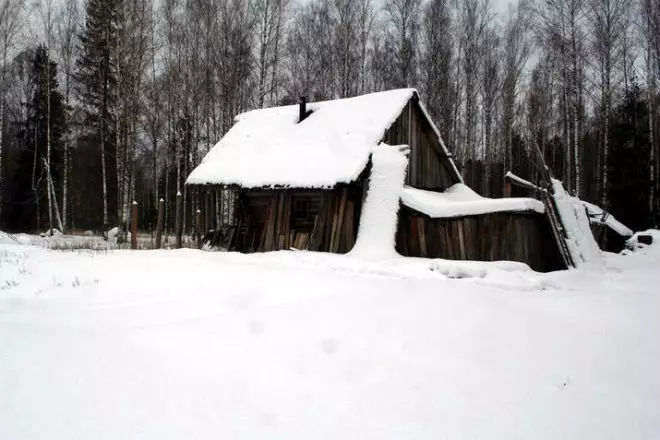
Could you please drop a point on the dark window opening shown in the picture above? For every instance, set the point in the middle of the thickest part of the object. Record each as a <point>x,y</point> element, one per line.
<point>305,210</point>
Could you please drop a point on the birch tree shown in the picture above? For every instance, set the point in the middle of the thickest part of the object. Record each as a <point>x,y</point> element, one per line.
<point>346,50</point>
<point>269,26</point>
<point>562,24</point>
<point>47,14</point>
<point>650,26</point>
<point>437,65</point>
<point>403,23</point>
<point>517,49</point>
<point>606,19</point>
<point>490,89</point>
<point>474,16</point>
<point>67,29</point>
<point>366,18</point>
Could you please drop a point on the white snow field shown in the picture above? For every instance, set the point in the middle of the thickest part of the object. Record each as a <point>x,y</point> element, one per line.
<point>294,345</point>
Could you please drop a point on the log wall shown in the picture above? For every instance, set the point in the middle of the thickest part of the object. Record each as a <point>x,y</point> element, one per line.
<point>523,237</point>
<point>266,220</point>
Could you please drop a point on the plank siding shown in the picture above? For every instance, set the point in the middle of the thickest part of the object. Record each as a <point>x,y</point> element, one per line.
<point>428,168</point>
<point>265,220</point>
<point>523,237</point>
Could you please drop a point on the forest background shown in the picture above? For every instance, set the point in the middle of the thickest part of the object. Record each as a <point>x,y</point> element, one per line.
<point>108,101</point>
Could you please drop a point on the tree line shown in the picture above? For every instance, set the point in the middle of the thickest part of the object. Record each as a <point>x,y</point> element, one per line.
<point>108,101</point>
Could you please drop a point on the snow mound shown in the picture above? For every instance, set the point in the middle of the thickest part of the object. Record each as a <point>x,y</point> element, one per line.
<point>52,233</point>
<point>269,147</point>
<point>634,244</point>
<point>580,240</point>
<point>378,221</point>
<point>460,200</point>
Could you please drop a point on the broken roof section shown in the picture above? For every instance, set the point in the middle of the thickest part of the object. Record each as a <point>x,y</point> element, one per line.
<point>599,216</point>
<point>271,148</point>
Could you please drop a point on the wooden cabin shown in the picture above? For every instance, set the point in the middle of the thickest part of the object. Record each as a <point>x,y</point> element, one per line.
<point>300,175</point>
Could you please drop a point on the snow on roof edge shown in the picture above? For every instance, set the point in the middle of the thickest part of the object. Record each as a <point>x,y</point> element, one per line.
<point>459,200</point>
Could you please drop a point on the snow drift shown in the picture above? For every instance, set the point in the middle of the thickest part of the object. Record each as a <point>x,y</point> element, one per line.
<point>302,345</point>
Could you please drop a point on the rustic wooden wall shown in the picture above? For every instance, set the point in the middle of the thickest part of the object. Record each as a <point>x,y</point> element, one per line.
<point>501,236</point>
<point>265,220</point>
<point>428,166</point>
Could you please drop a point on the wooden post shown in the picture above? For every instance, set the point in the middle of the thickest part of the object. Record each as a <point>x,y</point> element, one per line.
<point>134,225</point>
<point>198,228</point>
<point>178,229</point>
<point>507,188</point>
<point>159,225</point>
<point>207,212</point>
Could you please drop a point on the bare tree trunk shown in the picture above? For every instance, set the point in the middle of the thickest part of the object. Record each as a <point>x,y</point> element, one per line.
<point>35,180</point>
<point>576,102</point>
<point>651,100</point>
<point>10,24</point>
<point>2,126</point>
<point>2,113</point>
<point>51,190</point>
<point>65,186</point>
<point>104,176</point>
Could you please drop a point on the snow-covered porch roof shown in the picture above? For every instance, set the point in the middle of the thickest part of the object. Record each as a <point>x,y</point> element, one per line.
<point>271,148</point>
<point>459,201</point>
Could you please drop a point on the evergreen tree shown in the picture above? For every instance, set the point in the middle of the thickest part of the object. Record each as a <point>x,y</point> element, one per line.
<point>29,210</point>
<point>97,87</point>
<point>628,163</point>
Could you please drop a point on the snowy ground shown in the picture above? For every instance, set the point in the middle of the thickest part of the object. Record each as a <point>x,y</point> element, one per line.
<point>189,344</point>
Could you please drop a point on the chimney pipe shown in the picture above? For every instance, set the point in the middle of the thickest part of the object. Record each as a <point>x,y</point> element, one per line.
<point>302,114</point>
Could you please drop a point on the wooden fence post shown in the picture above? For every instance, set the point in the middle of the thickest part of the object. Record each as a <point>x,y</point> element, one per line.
<point>198,228</point>
<point>207,212</point>
<point>159,225</point>
<point>178,223</point>
<point>134,225</point>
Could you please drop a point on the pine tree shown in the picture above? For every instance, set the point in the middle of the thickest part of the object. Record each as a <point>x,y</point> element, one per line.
<point>97,86</point>
<point>30,175</point>
<point>628,164</point>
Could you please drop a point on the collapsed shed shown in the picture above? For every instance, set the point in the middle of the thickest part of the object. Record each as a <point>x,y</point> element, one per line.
<point>301,173</point>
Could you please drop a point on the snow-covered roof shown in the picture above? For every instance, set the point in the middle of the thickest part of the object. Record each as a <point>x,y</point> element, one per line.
<point>459,200</point>
<point>269,147</point>
<point>598,215</point>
